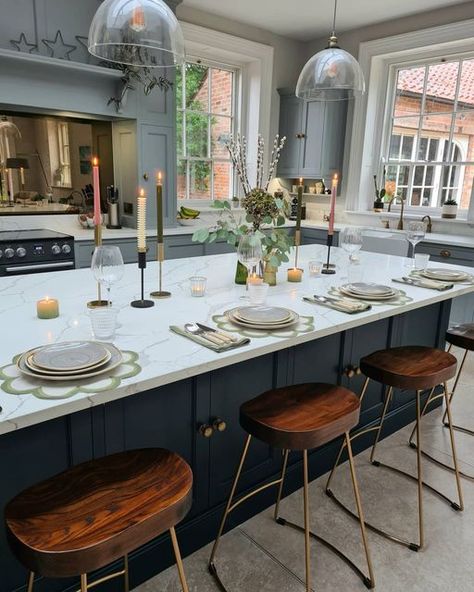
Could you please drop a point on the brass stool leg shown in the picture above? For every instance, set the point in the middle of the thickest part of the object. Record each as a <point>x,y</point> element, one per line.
<point>31,579</point>
<point>125,574</point>
<point>211,566</point>
<point>307,544</point>
<point>179,561</point>
<point>388,398</point>
<point>431,397</point>
<point>280,487</point>
<point>419,470</point>
<point>461,429</point>
<point>84,583</point>
<point>370,581</point>
<point>453,447</point>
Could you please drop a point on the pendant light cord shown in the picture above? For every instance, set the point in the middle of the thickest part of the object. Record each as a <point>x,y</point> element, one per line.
<point>334,18</point>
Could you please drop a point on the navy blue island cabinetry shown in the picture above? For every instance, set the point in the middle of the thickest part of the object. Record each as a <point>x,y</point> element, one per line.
<point>172,416</point>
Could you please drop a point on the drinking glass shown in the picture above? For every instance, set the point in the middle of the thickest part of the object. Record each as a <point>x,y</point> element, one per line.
<point>107,266</point>
<point>415,234</point>
<point>104,322</point>
<point>249,251</point>
<point>351,241</point>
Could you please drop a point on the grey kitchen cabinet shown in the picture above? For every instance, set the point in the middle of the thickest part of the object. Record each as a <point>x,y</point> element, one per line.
<point>317,236</point>
<point>462,309</point>
<point>315,133</point>
<point>128,247</point>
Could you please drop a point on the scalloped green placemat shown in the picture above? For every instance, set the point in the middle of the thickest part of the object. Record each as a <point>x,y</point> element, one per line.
<point>400,300</point>
<point>305,324</point>
<point>14,382</point>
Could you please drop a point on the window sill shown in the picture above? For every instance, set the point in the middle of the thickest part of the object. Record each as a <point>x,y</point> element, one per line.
<point>395,215</point>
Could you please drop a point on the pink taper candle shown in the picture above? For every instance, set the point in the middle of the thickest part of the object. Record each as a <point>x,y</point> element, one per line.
<point>96,183</point>
<point>333,204</point>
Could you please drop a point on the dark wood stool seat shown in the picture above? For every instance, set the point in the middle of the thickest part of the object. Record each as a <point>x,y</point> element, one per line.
<point>302,416</point>
<point>411,367</point>
<point>461,336</point>
<point>98,511</point>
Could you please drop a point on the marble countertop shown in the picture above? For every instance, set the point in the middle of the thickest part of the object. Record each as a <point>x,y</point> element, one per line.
<point>164,356</point>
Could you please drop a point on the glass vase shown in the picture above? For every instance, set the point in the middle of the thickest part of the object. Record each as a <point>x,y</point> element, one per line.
<point>270,274</point>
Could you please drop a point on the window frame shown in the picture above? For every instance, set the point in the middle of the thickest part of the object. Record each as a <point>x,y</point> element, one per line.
<point>364,133</point>
<point>235,126</point>
<point>439,164</point>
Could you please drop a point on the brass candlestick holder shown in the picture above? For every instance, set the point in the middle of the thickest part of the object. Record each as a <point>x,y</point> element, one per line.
<point>160,252</point>
<point>142,303</point>
<point>99,302</point>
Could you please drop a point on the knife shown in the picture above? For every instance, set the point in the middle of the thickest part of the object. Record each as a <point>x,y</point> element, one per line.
<point>222,336</point>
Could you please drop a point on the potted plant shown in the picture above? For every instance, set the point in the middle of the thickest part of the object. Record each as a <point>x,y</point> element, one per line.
<point>235,202</point>
<point>379,194</point>
<point>449,209</point>
<point>260,208</point>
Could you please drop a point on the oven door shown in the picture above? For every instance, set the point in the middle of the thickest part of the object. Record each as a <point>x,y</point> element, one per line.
<point>17,269</point>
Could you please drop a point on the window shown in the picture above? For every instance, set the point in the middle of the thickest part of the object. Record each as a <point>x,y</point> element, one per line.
<point>429,150</point>
<point>59,153</point>
<point>205,120</point>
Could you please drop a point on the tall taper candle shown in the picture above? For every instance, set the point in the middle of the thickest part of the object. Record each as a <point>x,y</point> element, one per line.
<point>300,204</point>
<point>96,183</point>
<point>159,207</point>
<point>333,204</point>
<point>10,185</point>
<point>141,221</point>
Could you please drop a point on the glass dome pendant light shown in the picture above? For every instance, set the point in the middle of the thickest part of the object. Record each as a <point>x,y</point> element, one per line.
<point>332,74</point>
<point>137,33</point>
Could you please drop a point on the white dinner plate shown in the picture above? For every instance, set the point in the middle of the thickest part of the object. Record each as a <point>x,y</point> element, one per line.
<point>369,289</point>
<point>367,296</point>
<point>115,360</point>
<point>263,315</point>
<point>294,318</point>
<point>447,275</point>
<point>32,366</point>
<point>69,355</point>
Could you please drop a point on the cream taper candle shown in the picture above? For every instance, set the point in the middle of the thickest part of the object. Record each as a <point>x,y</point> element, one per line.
<point>141,221</point>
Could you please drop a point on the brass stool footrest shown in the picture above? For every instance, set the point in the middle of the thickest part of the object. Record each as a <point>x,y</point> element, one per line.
<point>459,429</point>
<point>429,487</point>
<point>443,466</point>
<point>365,579</point>
<point>379,531</point>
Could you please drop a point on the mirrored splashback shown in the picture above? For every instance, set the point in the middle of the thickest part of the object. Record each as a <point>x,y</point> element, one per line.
<point>46,163</point>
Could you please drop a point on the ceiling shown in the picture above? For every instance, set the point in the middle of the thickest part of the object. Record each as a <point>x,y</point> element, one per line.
<point>310,19</point>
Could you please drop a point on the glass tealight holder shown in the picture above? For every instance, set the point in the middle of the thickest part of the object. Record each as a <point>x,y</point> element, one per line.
<point>421,261</point>
<point>104,322</point>
<point>198,285</point>
<point>314,268</point>
<point>258,293</point>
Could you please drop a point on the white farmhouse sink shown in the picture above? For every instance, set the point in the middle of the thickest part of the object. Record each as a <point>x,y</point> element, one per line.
<point>388,243</point>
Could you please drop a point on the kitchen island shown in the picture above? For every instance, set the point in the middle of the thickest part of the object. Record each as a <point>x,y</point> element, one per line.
<point>182,388</point>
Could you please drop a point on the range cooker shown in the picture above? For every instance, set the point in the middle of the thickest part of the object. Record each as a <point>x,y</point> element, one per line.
<point>34,251</point>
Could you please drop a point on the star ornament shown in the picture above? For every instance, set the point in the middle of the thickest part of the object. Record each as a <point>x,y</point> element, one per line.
<point>23,45</point>
<point>57,47</point>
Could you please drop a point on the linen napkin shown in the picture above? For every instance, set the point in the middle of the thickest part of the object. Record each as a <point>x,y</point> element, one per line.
<point>424,283</point>
<point>340,305</point>
<point>238,342</point>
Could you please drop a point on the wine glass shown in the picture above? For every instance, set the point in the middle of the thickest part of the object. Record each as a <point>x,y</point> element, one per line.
<point>351,241</point>
<point>415,234</point>
<point>107,266</point>
<point>249,251</point>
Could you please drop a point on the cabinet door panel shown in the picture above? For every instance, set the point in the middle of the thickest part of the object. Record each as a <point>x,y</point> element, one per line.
<point>291,109</point>
<point>333,137</point>
<point>230,387</point>
<point>312,144</point>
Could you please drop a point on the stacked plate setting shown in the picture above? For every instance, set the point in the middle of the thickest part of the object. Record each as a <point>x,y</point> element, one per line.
<point>368,291</point>
<point>262,317</point>
<point>70,360</point>
<point>444,275</point>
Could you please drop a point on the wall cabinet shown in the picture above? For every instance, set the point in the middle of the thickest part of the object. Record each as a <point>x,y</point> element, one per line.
<point>315,133</point>
<point>317,236</point>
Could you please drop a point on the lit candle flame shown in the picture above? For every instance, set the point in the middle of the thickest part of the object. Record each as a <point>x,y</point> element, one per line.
<point>95,161</point>
<point>301,180</point>
<point>159,177</point>
<point>141,192</point>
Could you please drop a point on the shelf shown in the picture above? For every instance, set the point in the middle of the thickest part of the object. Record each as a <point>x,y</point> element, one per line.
<point>45,61</point>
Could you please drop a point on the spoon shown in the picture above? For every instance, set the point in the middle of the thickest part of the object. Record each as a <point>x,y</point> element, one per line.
<point>193,329</point>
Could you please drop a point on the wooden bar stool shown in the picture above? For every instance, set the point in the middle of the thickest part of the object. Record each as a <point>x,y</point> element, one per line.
<point>461,336</point>
<point>299,417</point>
<point>97,512</point>
<point>420,369</point>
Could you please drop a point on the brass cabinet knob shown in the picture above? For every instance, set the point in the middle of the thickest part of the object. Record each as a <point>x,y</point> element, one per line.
<point>219,425</point>
<point>145,176</point>
<point>298,136</point>
<point>206,430</point>
<point>352,371</point>
<point>302,135</point>
<point>445,253</point>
